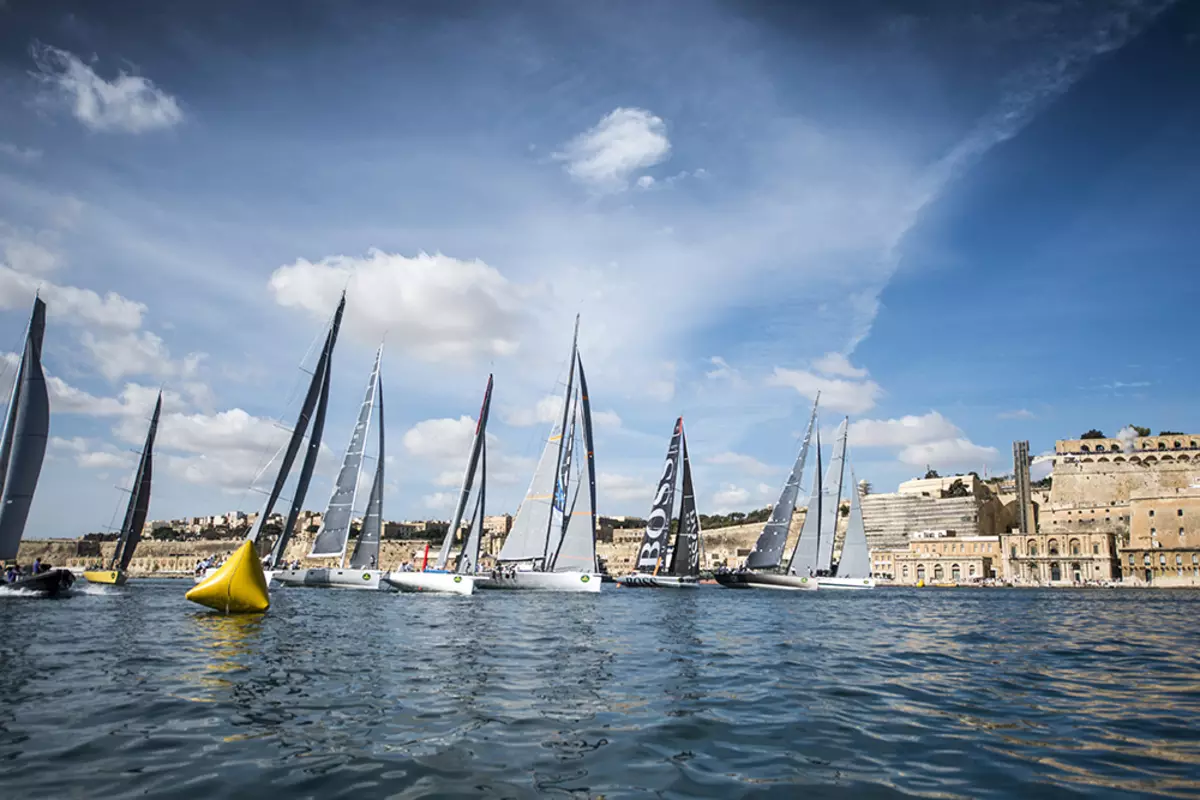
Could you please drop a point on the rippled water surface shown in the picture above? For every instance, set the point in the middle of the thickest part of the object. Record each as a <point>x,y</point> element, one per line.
<point>123,692</point>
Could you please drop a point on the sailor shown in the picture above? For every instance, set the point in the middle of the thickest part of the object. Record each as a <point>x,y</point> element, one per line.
<point>10,574</point>
<point>372,562</point>
<point>37,565</point>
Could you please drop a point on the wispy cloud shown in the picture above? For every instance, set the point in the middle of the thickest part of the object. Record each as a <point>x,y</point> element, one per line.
<point>128,103</point>
<point>1019,413</point>
<point>624,141</point>
<point>24,154</point>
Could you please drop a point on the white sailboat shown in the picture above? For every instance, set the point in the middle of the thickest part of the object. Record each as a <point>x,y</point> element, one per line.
<point>22,449</point>
<point>552,544</point>
<point>334,534</point>
<point>316,401</point>
<point>657,565</point>
<point>458,578</point>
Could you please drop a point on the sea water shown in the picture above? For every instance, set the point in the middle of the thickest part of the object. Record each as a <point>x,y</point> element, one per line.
<point>133,692</point>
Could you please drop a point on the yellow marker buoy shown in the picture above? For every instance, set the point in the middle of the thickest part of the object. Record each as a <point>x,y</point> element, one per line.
<point>112,577</point>
<point>237,587</point>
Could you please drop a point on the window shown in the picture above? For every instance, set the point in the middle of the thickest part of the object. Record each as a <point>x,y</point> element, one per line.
<point>1012,553</point>
<point>1162,559</point>
<point>971,570</point>
<point>1195,558</point>
<point>1099,448</point>
<point>938,572</point>
<point>1179,512</point>
<point>1131,559</point>
<point>1146,560</point>
<point>921,573</point>
<point>1153,532</point>
<point>1096,548</point>
<point>1178,560</point>
<point>1052,547</point>
<point>904,570</point>
<point>1074,547</point>
<point>1033,548</point>
<point>955,573</point>
<point>1181,531</point>
<point>1152,512</point>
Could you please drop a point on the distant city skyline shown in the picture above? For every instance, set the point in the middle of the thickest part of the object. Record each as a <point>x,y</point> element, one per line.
<point>962,228</point>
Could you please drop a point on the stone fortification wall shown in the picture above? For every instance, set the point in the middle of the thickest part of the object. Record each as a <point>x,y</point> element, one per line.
<point>1079,483</point>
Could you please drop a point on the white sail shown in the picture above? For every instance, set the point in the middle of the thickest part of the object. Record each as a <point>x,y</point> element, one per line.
<point>335,524</point>
<point>831,498</point>
<point>804,555</point>
<point>577,550</point>
<point>526,540</point>
<point>856,557</point>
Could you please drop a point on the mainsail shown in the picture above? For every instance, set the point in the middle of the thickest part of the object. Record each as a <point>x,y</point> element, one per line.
<point>306,411</point>
<point>685,559</point>
<point>26,430</point>
<point>468,559</point>
<point>804,554</point>
<point>477,446</point>
<point>856,558</point>
<point>322,374</point>
<point>366,549</point>
<point>831,499</point>
<point>658,524</point>
<point>768,550</point>
<point>577,548</point>
<point>335,523</point>
<point>139,499</point>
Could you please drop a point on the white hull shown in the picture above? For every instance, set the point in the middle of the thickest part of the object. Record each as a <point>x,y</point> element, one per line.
<point>444,582</point>
<point>783,582</point>
<point>643,581</point>
<point>846,584</point>
<point>333,578</point>
<point>541,581</point>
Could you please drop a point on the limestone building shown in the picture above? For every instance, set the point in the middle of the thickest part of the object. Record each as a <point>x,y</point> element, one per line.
<point>941,557</point>
<point>1164,540</point>
<point>924,505</point>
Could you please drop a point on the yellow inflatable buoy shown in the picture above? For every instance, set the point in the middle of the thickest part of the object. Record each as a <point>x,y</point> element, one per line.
<point>237,587</point>
<point>920,583</point>
<point>112,577</point>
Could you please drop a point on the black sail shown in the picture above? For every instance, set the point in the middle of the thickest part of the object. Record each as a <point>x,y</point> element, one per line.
<point>306,410</point>
<point>477,447</point>
<point>658,524</point>
<point>26,431</point>
<point>685,559</point>
<point>768,550</point>
<point>139,498</point>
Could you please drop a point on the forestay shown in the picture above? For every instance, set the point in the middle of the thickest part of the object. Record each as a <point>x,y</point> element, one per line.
<point>768,550</point>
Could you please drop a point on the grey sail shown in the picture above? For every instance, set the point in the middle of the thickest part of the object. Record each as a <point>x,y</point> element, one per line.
<point>658,524</point>
<point>831,499</point>
<point>577,549</point>
<point>324,369</point>
<point>524,541</point>
<point>804,555</point>
<point>477,443</point>
<point>139,498</point>
<point>685,558</point>
<point>563,462</point>
<point>856,558</point>
<point>334,532</point>
<point>26,431</point>
<point>301,427</point>
<point>768,550</point>
<point>468,559</point>
<point>366,549</point>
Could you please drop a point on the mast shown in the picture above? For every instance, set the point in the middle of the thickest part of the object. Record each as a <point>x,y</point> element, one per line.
<point>768,550</point>
<point>366,549</point>
<point>26,431</point>
<point>324,368</point>
<point>139,498</point>
<point>477,447</point>
<point>560,489</point>
<point>306,410</point>
<point>334,532</point>
<point>658,524</point>
<point>831,499</point>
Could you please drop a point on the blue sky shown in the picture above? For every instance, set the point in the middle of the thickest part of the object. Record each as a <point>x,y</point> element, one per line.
<point>963,225</point>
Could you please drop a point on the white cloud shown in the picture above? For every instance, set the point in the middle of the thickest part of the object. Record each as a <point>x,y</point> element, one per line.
<point>432,306</point>
<point>548,411</point>
<point>645,182</point>
<point>611,486</point>
<point>128,103</point>
<point>76,444</point>
<point>729,498</point>
<point>25,154</point>
<point>838,364</point>
<point>29,256</point>
<point>140,353</point>
<point>441,438</point>
<point>69,303</point>
<point>930,439</point>
<point>837,394</point>
<point>739,461</point>
<point>1020,413</point>
<point>104,459</point>
<point>624,141</point>
<point>440,501</point>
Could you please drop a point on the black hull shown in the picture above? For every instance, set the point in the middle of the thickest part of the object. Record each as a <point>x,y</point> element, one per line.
<point>50,583</point>
<point>732,580</point>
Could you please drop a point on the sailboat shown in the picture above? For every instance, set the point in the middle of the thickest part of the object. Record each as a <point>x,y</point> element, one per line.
<point>334,534</point>
<point>235,586</point>
<point>682,561</point>
<point>552,543</point>
<point>762,568</point>
<point>135,513</point>
<point>460,579</point>
<point>854,566</point>
<point>22,448</point>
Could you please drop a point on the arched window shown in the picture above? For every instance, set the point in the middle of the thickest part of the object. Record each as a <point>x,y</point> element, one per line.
<point>1184,457</point>
<point>1135,460</point>
<point>1085,449</point>
<point>971,570</point>
<point>1151,460</point>
<point>1162,559</point>
<point>1031,547</point>
<point>921,572</point>
<point>1178,559</point>
<point>1012,552</point>
<point>1119,460</point>
<point>1052,547</point>
<point>1162,445</point>
<point>1102,459</point>
<point>1055,571</point>
<point>1146,559</point>
<point>938,572</point>
<point>1095,548</point>
<point>1099,448</point>
<point>1178,445</point>
<point>904,571</point>
<point>1074,545</point>
<point>1193,445</point>
<point>1167,458</point>
<point>955,573</point>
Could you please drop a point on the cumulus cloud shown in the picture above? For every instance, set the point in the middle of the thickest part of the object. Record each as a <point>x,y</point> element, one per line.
<point>440,501</point>
<point>548,411</point>
<point>729,498</point>
<point>930,439</point>
<point>838,364</point>
<point>739,461</point>
<point>837,394</point>
<point>612,486</point>
<point>623,142</point>
<point>138,353</point>
<point>446,438</point>
<point>433,306</point>
<point>128,103</point>
<point>69,304</point>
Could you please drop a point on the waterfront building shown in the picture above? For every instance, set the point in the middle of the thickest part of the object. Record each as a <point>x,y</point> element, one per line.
<point>1164,540</point>
<point>960,503</point>
<point>937,557</point>
<point>1059,557</point>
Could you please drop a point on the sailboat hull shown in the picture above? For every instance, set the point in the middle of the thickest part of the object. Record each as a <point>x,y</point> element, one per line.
<point>642,581</point>
<point>585,582</point>
<point>846,584</point>
<point>767,580</point>
<point>441,582</point>
<point>109,577</point>
<point>333,578</point>
<point>50,583</point>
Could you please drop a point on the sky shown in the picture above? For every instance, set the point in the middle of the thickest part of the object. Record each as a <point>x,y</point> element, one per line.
<point>963,224</point>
